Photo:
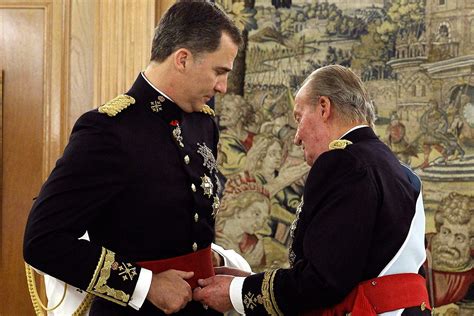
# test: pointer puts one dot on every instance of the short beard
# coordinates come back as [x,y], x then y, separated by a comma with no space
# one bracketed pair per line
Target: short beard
[448,259]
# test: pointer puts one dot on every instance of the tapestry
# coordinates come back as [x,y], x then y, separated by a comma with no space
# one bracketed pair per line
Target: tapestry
[417,60]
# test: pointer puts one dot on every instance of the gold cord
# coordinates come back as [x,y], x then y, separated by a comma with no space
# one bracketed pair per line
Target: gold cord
[85,305]
[35,299]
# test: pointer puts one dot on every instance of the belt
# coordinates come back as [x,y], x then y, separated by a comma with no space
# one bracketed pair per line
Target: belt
[380,295]
[200,262]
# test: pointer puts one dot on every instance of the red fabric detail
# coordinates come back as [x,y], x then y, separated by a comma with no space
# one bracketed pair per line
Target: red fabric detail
[200,262]
[389,293]
[451,287]
[174,123]
[248,142]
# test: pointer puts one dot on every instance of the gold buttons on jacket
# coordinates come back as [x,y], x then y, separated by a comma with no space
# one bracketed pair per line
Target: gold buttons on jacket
[195,247]
[186,159]
[193,187]
[196,217]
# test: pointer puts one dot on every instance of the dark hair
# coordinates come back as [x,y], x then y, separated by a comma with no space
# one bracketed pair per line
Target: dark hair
[194,25]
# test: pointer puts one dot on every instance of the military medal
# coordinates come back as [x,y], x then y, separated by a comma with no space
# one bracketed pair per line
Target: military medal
[215,206]
[218,183]
[208,156]
[207,185]
[177,133]
[291,253]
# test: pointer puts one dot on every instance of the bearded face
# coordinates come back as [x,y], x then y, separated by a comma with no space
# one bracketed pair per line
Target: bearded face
[451,249]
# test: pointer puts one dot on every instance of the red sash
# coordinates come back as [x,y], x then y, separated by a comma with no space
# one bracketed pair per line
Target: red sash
[380,295]
[200,262]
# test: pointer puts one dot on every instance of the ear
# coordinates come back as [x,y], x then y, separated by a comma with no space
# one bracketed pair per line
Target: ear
[326,107]
[181,58]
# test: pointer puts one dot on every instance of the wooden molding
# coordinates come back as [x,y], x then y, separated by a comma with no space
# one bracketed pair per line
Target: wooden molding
[55,74]
[123,35]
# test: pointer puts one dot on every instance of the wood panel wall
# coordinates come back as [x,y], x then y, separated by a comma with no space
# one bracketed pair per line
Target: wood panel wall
[88,52]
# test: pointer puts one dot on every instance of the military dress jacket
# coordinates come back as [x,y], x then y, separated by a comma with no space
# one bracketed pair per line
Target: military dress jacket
[358,204]
[140,176]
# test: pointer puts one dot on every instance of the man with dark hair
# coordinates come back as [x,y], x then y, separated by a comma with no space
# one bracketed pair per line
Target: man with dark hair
[139,175]
[358,237]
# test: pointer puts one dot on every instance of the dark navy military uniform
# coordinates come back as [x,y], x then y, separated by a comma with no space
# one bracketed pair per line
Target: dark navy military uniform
[143,183]
[357,210]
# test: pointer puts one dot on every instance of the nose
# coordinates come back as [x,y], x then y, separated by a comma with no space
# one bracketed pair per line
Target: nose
[221,85]
[451,240]
[297,139]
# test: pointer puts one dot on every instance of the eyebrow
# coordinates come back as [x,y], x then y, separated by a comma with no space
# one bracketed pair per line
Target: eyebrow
[224,69]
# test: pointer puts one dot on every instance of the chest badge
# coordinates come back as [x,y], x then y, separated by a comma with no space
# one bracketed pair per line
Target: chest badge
[208,157]
[207,185]
[215,206]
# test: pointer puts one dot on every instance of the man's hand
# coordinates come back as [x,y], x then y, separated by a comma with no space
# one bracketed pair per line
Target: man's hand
[214,292]
[231,271]
[169,290]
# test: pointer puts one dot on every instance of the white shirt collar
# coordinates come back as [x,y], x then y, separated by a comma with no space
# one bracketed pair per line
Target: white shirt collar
[353,129]
[161,92]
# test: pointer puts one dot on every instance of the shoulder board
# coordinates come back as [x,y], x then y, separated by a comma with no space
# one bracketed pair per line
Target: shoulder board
[206,109]
[339,144]
[116,105]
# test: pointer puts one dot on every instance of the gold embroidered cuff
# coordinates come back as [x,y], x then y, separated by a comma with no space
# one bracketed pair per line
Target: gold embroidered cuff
[269,301]
[98,285]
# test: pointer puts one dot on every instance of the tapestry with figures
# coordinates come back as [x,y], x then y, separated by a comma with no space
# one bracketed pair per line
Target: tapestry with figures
[416,58]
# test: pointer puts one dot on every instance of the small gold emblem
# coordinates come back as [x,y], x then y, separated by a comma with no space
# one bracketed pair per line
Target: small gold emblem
[206,109]
[116,105]
[339,144]
[207,185]
[186,159]
[156,106]
[161,98]
[250,300]
[195,247]
[128,271]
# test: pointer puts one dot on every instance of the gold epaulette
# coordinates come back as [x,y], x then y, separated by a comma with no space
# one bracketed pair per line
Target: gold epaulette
[207,110]
[339,144]
[116,105]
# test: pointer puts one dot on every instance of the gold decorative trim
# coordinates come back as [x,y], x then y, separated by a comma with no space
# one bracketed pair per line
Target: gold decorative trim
[101,275]
[116,105]
[206,109]
[250,300]
[339,144]
[38,305]
[269,301]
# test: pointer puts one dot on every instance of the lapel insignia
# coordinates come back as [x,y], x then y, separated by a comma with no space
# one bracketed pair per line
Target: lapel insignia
[215,206]
[116,105]
[209,160]
[207,185]
[339,144]
[156,106]
[177,133]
